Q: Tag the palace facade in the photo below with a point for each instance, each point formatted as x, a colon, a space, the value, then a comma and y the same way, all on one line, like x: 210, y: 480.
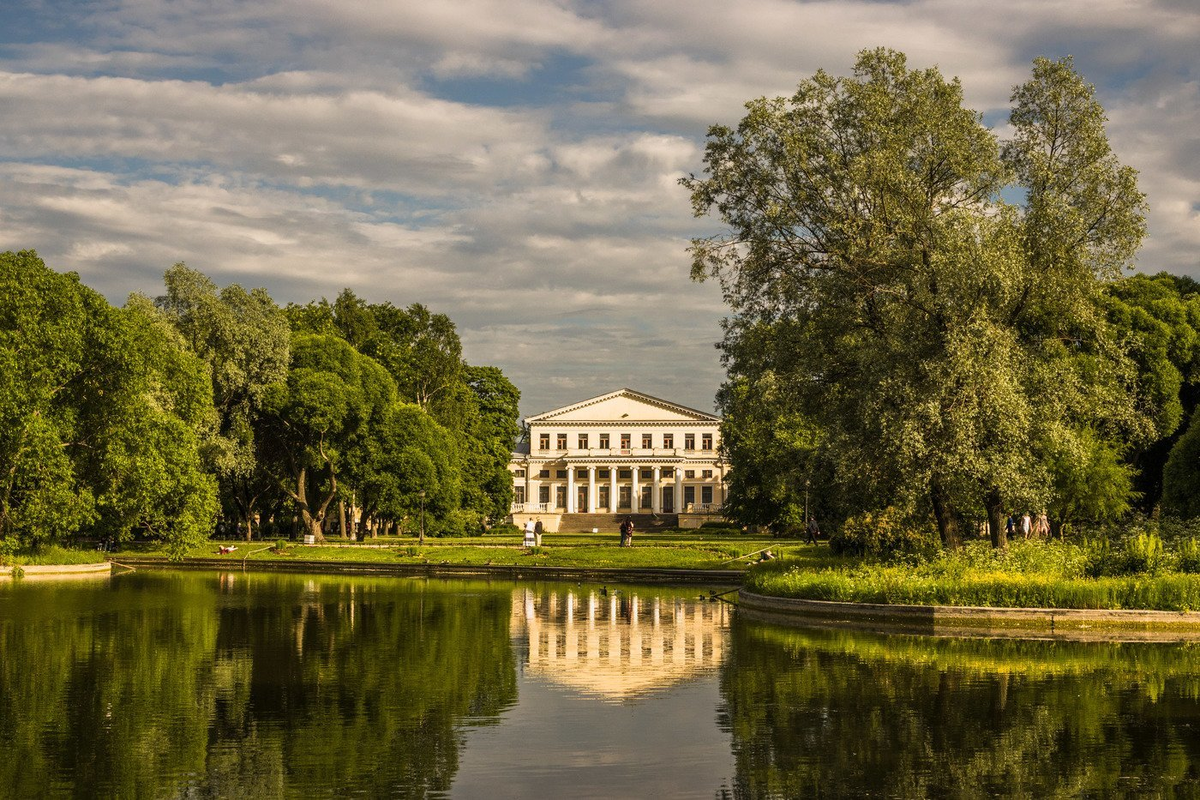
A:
x: 622, y: 452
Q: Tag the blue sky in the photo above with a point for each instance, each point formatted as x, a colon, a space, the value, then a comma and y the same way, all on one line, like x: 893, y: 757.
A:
x: 512, y: 163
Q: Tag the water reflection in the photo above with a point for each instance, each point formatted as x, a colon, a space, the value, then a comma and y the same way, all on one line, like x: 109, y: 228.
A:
x: 851, y: 714
x: 246, y: 685
x: 616, y: 645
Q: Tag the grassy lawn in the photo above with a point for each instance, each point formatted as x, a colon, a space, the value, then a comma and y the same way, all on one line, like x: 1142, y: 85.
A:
x: 1028, y: 575
x: 687, y: 550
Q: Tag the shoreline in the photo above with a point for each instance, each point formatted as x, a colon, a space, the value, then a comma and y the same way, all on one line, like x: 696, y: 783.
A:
x: 712, y: 577
x: 979, y: 621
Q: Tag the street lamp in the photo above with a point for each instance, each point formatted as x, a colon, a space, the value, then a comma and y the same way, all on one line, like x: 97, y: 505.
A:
x: 422, y: 494
x: 806, y: 503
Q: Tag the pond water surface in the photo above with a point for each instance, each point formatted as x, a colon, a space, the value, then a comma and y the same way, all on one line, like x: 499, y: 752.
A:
x: 180, y: 684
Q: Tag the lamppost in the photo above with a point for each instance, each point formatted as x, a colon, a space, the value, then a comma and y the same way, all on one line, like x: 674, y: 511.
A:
x: 806, y: 503
x: 422, y: 493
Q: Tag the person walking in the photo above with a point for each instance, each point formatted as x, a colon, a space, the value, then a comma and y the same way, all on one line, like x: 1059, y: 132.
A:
x: 814, y: 530
x: 1026, y: 525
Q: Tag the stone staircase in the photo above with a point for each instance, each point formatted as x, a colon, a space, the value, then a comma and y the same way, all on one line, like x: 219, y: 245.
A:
x: 609, y: 523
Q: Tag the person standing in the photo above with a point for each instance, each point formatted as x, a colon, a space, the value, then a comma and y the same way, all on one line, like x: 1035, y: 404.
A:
x: 1026, y: 525
x: 627, y: 533
x: 530, y: 533
x: 1041, y: 526
x: 814, y: 530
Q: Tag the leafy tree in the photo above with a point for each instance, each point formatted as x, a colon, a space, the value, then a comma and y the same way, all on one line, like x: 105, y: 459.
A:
x: 409, y: 453
x: 498, y: 403
x: 327, y: 408
x: 947, y: 344
x: 1158, y: 319
x: 244, y: 338
x: 776, y: 452
x: 104, y: 412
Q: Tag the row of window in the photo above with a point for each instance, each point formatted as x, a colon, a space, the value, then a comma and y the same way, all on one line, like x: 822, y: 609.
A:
x: 623, y: 497
x: 622, y: 474
x: 604, y: 441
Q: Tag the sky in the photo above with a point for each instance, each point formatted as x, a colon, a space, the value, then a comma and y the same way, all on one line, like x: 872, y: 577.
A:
x: 511, y: 163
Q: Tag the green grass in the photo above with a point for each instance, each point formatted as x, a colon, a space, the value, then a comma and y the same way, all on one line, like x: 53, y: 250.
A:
x: 667, y: 550
x: 54, y: 554
x: 1029, y: 575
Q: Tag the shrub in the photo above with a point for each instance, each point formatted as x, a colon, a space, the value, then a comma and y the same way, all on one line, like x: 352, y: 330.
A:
x: 1187, y: 554
x: 721, y: 525
x: 1143, y: 554
x: 884, y: 533
x: 505, y: 529
x: 459, y: 522
x: 8, y: 550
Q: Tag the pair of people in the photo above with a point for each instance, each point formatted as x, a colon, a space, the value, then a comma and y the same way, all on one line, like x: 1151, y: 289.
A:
x: 533, y: 533
x: 627, y: 533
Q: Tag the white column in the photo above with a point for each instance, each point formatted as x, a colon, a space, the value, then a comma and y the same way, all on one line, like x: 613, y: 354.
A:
x: 635, y: 495
x: 612, y: 489
x: 678, y: 490
x: 591, y: 503
x: 570, y: 489
x: 656, y: 492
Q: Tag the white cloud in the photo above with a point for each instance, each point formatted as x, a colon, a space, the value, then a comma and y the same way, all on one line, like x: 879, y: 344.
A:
x: 421, y: 151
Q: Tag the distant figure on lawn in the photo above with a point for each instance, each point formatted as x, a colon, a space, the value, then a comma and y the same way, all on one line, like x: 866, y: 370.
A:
x: 814, y: 530
x: 627, y: 533
x: 530, y: 533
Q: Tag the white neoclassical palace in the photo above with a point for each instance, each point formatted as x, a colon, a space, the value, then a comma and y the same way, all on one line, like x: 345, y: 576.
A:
x: 620, y: 453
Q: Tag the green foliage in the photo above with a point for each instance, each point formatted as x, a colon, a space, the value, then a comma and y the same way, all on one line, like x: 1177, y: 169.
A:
x: 244, y: 339
x: 504, y: 529
x: 1181, y: 475
x: 459, y: 522
x: 1188, y: 556
x: 103, y: 416
x: 947, y: 346
x: 883, y: 533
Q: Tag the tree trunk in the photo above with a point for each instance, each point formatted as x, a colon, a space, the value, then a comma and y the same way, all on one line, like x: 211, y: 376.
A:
x: 947, y: 522
x: 312, y: 522
x: 995, y: 512
x: 342, y: 519
x: 249, y: 528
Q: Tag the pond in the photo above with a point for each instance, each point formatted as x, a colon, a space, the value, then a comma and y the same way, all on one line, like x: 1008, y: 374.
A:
x: 255, y: 685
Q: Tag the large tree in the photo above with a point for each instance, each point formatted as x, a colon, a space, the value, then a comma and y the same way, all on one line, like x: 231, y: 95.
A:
x: 330, y: 405
x: 103, y: 414
x: 948, y: 344
x: 243, y: 337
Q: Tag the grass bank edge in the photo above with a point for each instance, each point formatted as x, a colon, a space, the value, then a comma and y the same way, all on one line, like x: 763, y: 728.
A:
x: 903, y: 584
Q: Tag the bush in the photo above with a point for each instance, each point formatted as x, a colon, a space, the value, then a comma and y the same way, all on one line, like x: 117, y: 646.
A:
x: 8, y: 550
x: 459, y: 522
x: 505, y: 529
x: 721, y: 525
x: 1187, y: 555
x: 884, y: 533
x: 1140, y: 554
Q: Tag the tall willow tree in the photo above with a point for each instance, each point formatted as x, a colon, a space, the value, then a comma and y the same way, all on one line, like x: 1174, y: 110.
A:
x: 946, y: 343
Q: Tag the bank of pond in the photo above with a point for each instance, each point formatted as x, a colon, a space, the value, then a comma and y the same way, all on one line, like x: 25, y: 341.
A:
x: 184, y: 683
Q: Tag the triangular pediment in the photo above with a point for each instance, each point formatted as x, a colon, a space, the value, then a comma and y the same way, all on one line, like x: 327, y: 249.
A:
x: 624, y: 405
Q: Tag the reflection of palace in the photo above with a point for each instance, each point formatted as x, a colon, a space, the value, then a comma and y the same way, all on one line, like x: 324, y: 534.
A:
x: 616, y: 646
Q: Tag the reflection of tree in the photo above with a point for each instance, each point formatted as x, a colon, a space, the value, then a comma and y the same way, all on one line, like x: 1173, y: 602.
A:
x: 93, y: 685
x: 850, y: 714
x: 279, y: 685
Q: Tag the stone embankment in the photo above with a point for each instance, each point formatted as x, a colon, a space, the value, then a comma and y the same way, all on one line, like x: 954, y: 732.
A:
x: 1059, y: 623
x: 58, y: 570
